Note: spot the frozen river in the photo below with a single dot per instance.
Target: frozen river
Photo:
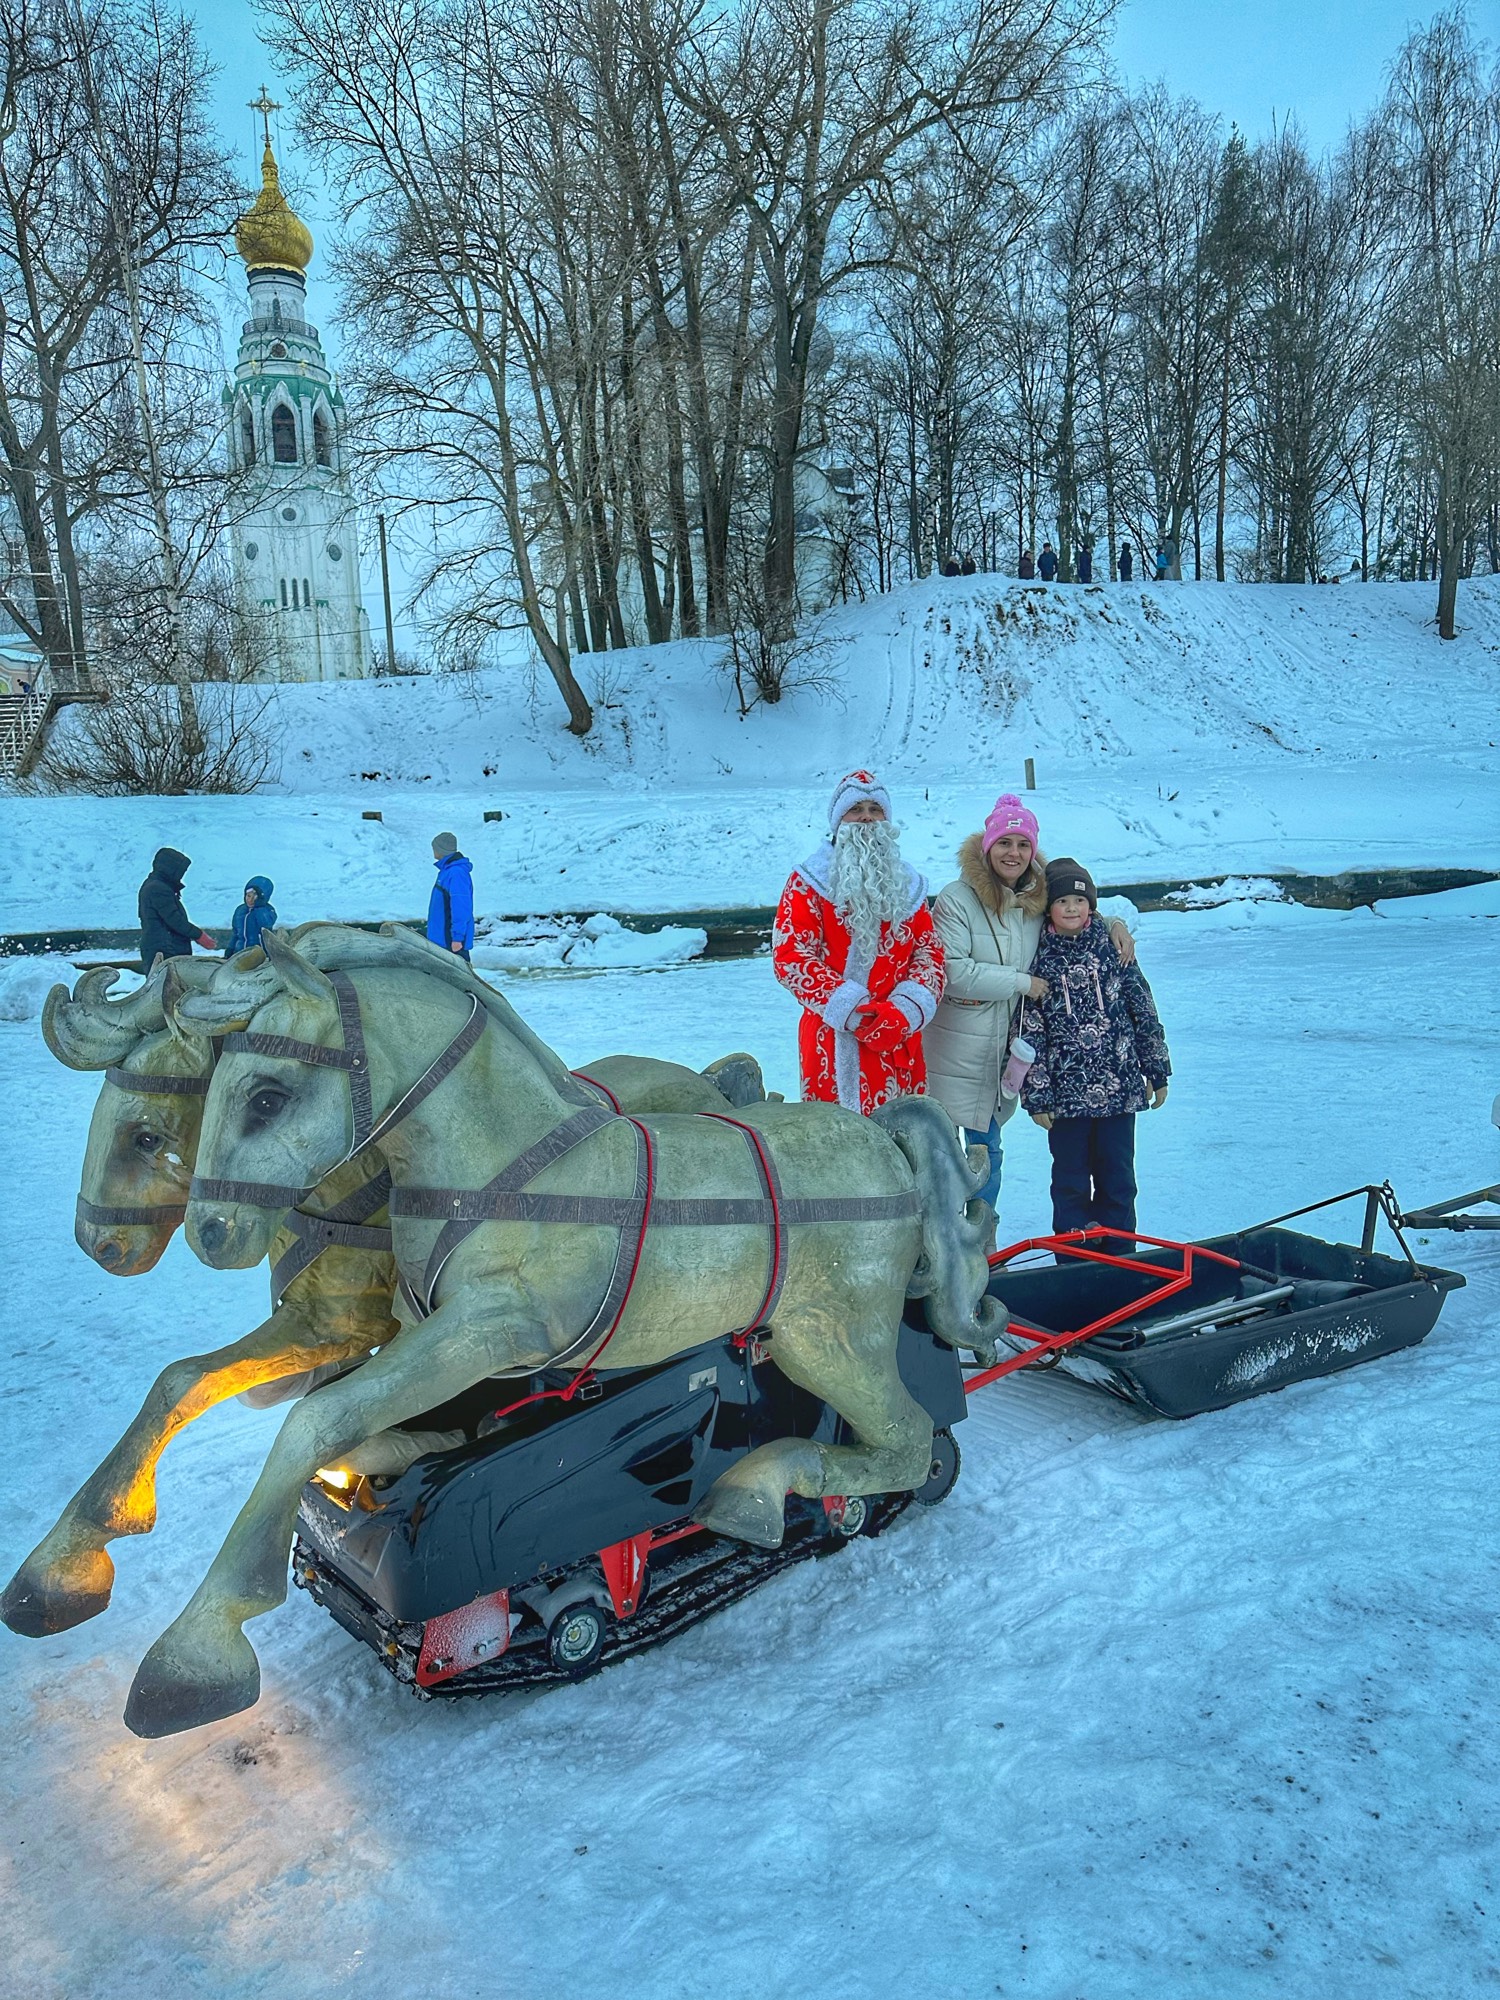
(1197, 1710)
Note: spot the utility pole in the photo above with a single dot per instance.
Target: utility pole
(385, 587)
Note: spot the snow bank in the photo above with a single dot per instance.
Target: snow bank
(600, 943)
(26, 982)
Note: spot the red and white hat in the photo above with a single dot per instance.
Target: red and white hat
(850, 790)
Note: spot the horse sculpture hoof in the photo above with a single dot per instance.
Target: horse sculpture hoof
(173, 1691)
(744, 1515)
(43, 1598)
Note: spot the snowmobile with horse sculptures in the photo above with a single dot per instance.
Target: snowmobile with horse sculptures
(558, 1536)
(570, 1505)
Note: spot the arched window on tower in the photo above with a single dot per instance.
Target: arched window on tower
(322, 438)
(247, 435)
(283, 435)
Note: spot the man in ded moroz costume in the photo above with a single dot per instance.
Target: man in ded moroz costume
(855, 945)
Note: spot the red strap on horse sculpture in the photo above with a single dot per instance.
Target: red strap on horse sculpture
(772, 1186)
(603, 1089)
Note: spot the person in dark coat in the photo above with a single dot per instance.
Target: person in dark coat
(1127, 563)
(256, 914)
(1086, 564)
(968, 567)
(165, 929)
(1046, 563)
(949, 566)
(450, 909)
(1028, 566)
(1101, 1056)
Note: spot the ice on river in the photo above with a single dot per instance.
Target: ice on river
(1197, 1710)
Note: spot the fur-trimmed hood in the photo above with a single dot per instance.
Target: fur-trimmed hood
(1031, 897)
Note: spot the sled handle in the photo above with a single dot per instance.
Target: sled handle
(1379, 1200)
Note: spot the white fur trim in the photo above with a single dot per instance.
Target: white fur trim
(915, 1002)
(846, 1069)
(842, 1002)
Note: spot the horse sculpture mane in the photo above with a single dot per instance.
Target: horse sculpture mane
(245, 983)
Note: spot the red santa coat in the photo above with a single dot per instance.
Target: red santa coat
(813, 957)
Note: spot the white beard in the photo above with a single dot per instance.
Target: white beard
(868, 881)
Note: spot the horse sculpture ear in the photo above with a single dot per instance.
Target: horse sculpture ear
(88, 1030)
(295, 973)
(174, 990)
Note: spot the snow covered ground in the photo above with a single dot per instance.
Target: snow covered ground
(1202, 1710)
(1181, 730)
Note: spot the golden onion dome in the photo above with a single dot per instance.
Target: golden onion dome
(272, 235)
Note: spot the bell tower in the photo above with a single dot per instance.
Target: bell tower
(295, 534)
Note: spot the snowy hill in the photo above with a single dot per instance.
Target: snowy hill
(935, 676)
(1180, 730)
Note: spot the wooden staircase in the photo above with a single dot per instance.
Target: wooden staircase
(24, 722)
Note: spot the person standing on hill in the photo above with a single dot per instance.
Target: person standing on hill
(450, 909)
(1027, 569)
(1127, 562)
(855, 946)
(1046, 563)
(256, 914)
(1086, 564)
(165, 929)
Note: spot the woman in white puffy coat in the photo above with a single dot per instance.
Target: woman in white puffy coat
(990, 921)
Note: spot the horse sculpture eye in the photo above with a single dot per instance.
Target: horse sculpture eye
(149, 1142)
(266, 1103)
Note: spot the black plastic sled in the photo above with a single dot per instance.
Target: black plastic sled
(1180, 1329)
(562, 1538)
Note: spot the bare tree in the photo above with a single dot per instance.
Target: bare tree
(818, 113)
(1443, 111)
(108, 186)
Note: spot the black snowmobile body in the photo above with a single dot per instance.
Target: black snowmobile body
(563, 1537)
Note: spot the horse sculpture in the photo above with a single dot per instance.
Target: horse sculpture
(333, 1273)
(533, 1227)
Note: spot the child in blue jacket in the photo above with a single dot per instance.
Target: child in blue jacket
(256, 914)
(1100, 1057)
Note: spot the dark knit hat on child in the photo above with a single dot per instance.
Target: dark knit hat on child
(1070, 878)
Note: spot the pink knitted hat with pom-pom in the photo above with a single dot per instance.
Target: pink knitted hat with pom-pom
(1009, 816)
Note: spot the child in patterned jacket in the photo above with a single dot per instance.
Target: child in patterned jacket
(1100, 1057)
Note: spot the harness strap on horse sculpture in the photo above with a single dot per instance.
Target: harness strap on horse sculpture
(471, 1206)
(157, 1086)
(346, 1224)
(451, 1205)
(267, 1194)
(131, 1218)
(771, 1182)
(352, 1030)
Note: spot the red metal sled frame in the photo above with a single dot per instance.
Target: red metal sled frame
(1076, 1243)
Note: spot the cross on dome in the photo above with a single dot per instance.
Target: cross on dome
(265, 104)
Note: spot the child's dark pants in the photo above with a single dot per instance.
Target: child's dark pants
(1093, 1172)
